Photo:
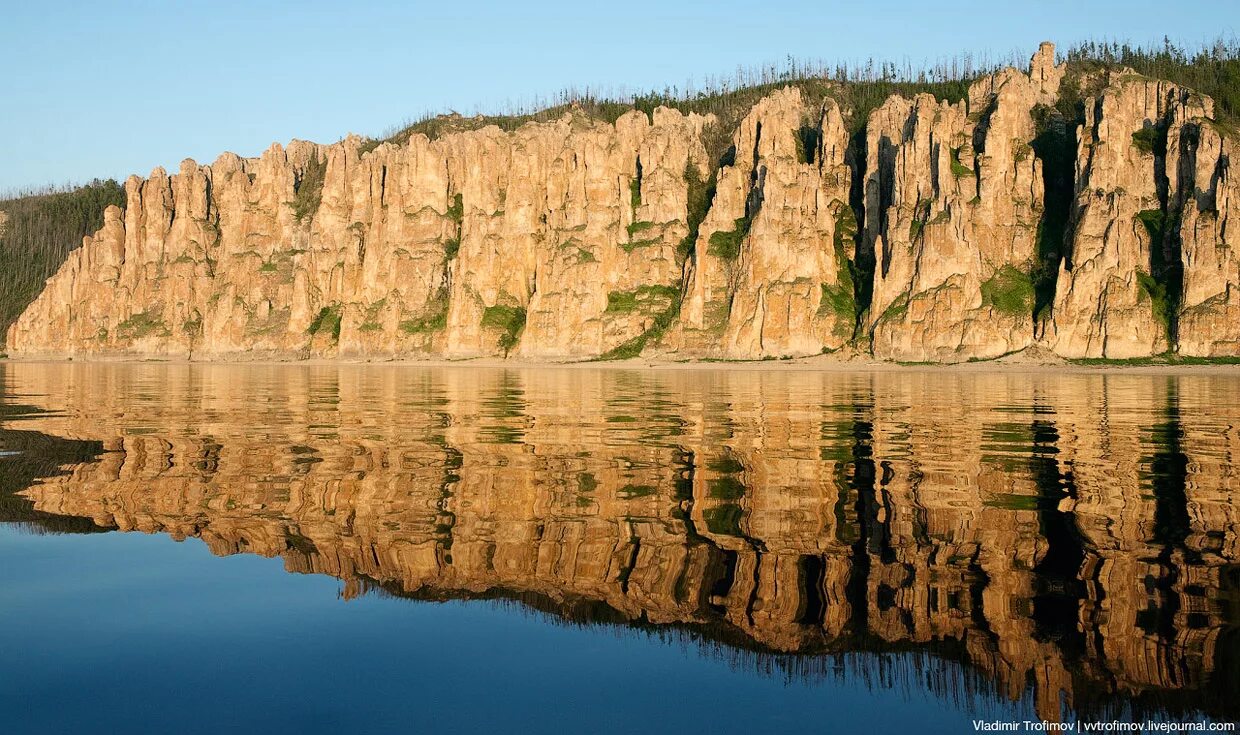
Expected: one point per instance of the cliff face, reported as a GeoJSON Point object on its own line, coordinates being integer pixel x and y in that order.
{"type": "Point", "coordinates": [953, 198]}
{"type": "Point", "coordinates": [1108, 301]}
{"type": "Point", "coordinates": [920, 238]}
{"type": "Point", "coordinates": [770, 275]}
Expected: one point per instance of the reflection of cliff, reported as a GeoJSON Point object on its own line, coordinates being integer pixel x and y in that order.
{"type": "Point", "coordinates": [26, 456]}
{"type": "Point", "coordinates": [1075, 532]}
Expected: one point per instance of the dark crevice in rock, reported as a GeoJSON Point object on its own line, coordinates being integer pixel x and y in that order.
{"type": "Point", "coordinates": [1055, 146]}
{"type": "Point", "coordinates": [863, 246]}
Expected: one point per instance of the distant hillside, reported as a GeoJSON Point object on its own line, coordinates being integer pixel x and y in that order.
{"type": "Point", "coordinates": [38, 230]}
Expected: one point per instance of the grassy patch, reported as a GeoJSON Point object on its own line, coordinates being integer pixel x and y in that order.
{"type": "Point", "coordinates": [1009, 291]}
{"type": "Point", "coordinates": [621, 302]}
{"type": "Point", "coordinates": [837, 299]}
{"type": "Point", "coordinates": [433, 322]}
{"type": "Point", "coordinates": [700, 196]}
{"type": "Point", "coordinates": [327, 321]}
{"type": "Point", "coordinates": [456, 210]}
{"type": "Point", "coordinates": [1164, 283]}
{"type": "Point", "coordinates": [959, 170]}
{"type": "Point", "coordinates": [1166, 358]}
{"type": "Point", "coordinates": [629, 247]}
{"type": "Point", "coordinates": [726, 244]}
{"type": "Point", "coordinates": [634, 229]}
{"type": "Point", "coordinates": [192, 327]}
{"type": "Point", "coordinates": [142, 324]}
{"type": "Point", "coordinates": [1149, 140]}
{"type": "Point", "coordinates": [662, 320]}
{"type": "Point", "coordinates": [624, 302]}
{"type": "Point", "coordinates": [896, 310]}
{"type": "Point", "coordinates": [921, 212]}
{"type": "Point", "coordinates": [456, 213]}
{"type": "Point", "coordinates": [1157, 294]}
{"type": "Point", "coordinates": [637, 227]}
{"type": "Point", "coordinates": [1155, 223]}
{"type": "Point", "coordinates": [841, 298]}
{"type": "Point", "coordinates": [308, 189]}
{"type": "Point", "coordinates": [508, 320]}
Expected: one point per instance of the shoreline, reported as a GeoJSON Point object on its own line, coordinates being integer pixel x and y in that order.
{"type": "Point", "coordinates": [1016, 363]}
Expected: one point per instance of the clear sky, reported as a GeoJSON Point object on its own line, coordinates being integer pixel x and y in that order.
{"type": "Point", "coordinates": [108, 89]}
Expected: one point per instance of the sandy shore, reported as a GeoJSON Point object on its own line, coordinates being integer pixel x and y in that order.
{"type": "Point", "coordinates": [1019, 363]}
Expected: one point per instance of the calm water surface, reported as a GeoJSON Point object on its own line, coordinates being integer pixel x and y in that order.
{"type": "Point", "coordinates": [364, 548]}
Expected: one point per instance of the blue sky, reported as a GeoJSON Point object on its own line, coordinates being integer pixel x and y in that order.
{"type": "Point", "coordinates": [108, 89]}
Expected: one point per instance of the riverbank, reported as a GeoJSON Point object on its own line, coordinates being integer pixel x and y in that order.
{"type": "Point", "coordinates": [831, 363]}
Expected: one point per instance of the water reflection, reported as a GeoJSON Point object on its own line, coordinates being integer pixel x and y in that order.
{"type": "Point", "coordinates": [1070, 538]}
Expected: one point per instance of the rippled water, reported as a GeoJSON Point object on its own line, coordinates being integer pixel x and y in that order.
{"type": "Point", "coordinates": [398, 548]}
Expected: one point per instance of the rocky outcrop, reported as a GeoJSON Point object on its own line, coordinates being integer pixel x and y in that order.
{"type": "Point", "coordinates": [1206, 194]}
{"type": "Point", "coordinates": [1110, 299]}
{"type": "Point", "coordinates": [448, 247]}
{"type": "Point", "coordinates": [953, 198]}
{"type": "Point", "coordinates": [920, 235]}
{"type": "Point", "coordinates": [771, 273]}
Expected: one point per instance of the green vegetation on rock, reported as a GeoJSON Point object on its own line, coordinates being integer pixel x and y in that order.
{"type": "Point", "coordinates": [701, 194]}
{"type": "Point", "coordinates": [308, 189]}
{"type": "Point", "coordinates": [509, 320]}
{"type": "Point", "coordinates": [142, 324]}
{"type": "Point", "coordinates": [637, 227]}
{"type": "Point", "coordinates": [624, 302]}
{"type": "Point", "coordinates": [644, 298]}
{"type": "Point", "coordinates": [635, 188]}
{"type": "Point", "coordinates": [1157, 294]}
{"type": "Point", "coordinates": [959, 170]}
{"type": "Point", "coordinates": [456, 213]}
{"type": "Point", "coordinates": [1163, 283]}
{"type": "Point", "coordinates": [841, 297]}
{"type": "Point", "coordinates": [432, 322]}
{"type": "Point", "coordinates": [1009, 291]}
{"type": "Point", "coordinates": [327, 321]}
{"type": "Point", "coordinates": [726, 244]}
{"type": "Point", "coordinates": [838, 299]}
{"type": "Point", "coordinates": [1146, 140]}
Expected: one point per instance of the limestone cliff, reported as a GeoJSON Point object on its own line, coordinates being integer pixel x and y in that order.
{"type": "Point", "coordinates": [953, 197]}
{"type": "Point", "coordinates": [917, 233]}
{"type": "Point", "coordinates": [1108, 302]}
{"type": "Point", "coordinates": [771, 272]}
